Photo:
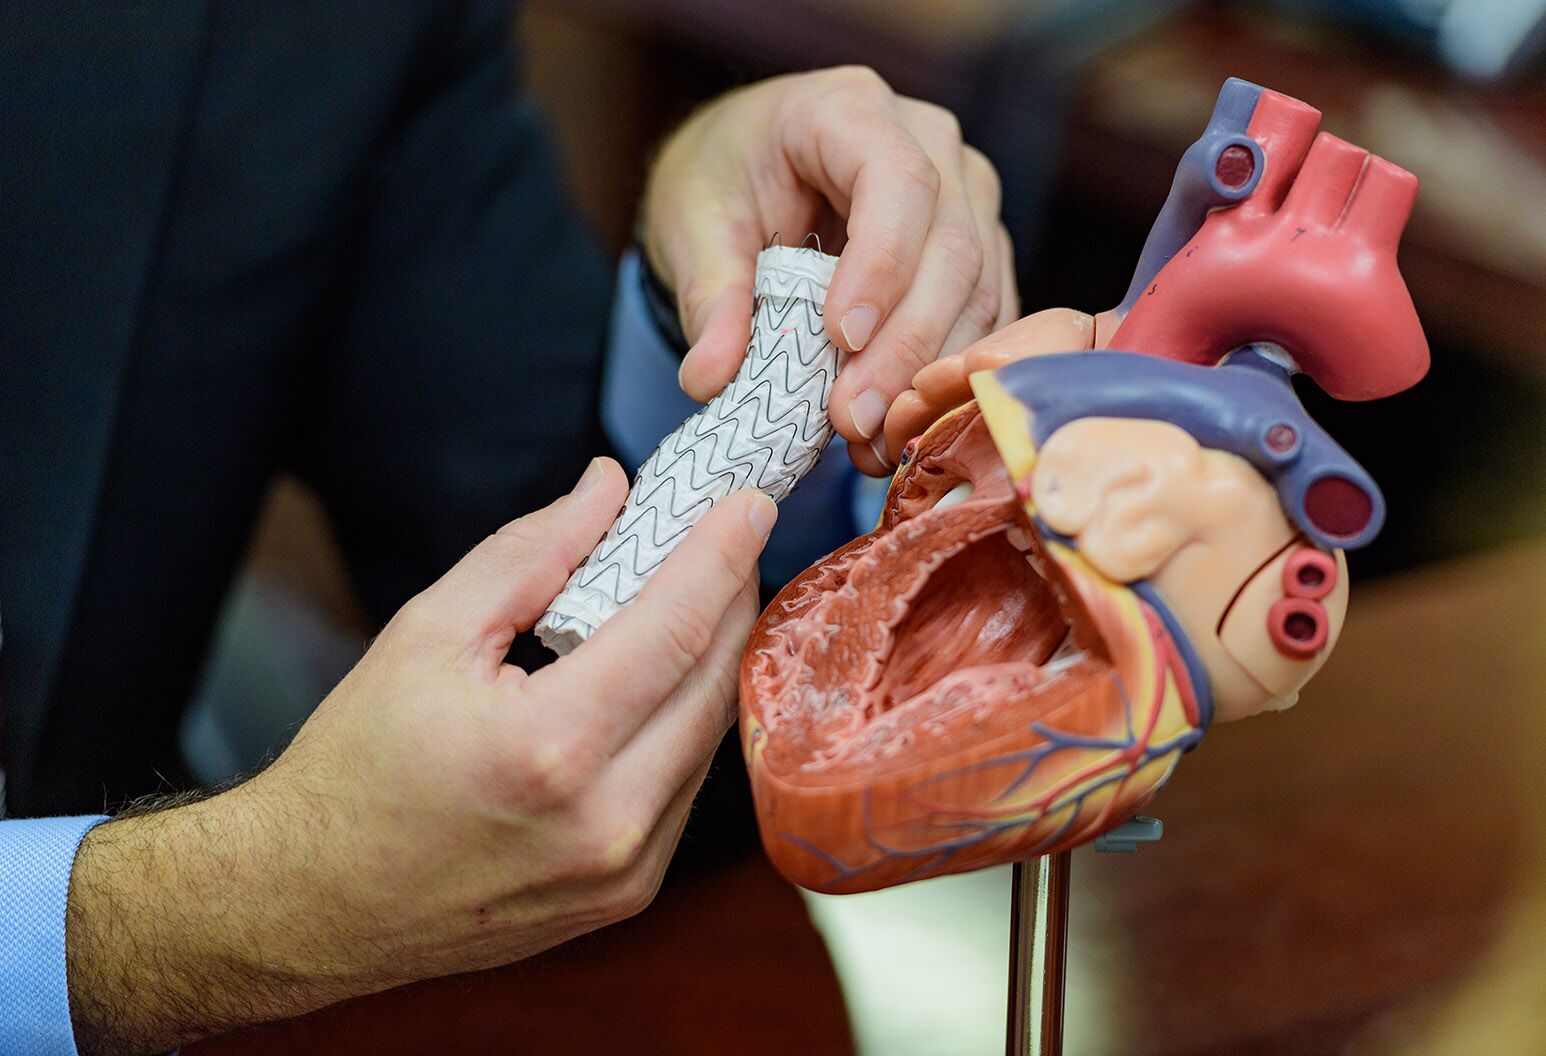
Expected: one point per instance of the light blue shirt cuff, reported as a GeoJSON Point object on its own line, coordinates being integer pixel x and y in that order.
{"type": "Point", "coordinates": [641, 402]}
{"type": "Point", "coordinates": [36, 856]}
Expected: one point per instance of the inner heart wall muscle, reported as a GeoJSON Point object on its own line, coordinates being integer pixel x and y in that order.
{"type": "Point", "coordinates": [901, 721]}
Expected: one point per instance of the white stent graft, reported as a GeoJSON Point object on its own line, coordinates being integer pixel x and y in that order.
{"type": "Point", "coordinates": [765, 430]}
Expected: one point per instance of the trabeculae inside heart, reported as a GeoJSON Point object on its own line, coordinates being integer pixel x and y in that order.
{"type": "Point", "coordinates": [942, 693]}
{"type": "Point", "coordinates": [907, 616]}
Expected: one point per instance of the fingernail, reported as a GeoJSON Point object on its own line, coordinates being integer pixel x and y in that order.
{"type": "Point", "coordinates": [868, 411]}
{"type": "Point", "coordinates": [858, 326]}
{"type": "Point", "coordinates": [878, 445]}
{"type": "Point", "coordinates": [681, 371]}
{"type": "Point", "coordinates": [763, 514]}
{"type": "Point", "coordinates": [590, 478]}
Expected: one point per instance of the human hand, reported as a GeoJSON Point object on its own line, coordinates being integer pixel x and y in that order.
{"type": "Point", "coordinates": [926, 267]}
{"type": "Point", "coordinates": [942, 385]}
{"type": "Point", "coordinates": [442, 811]}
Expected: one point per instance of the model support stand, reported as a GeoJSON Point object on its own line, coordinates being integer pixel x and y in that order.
{"type": "Point", "coordinates": [1038, 939]}
{"type": "Point", "coordinates": [1038, 955]}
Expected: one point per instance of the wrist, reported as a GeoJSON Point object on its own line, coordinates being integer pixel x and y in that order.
{"type": "Point", "coordinates": [191, 920]}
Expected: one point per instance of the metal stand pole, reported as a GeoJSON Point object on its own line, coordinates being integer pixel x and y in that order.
{"type": "Point", "coordinates": [1038, 956]}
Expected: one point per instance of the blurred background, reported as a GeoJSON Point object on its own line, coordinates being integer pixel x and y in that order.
{"type": "Point", "coordinates": [1363, 874]}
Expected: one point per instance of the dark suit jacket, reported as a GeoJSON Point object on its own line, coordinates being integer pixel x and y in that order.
{"type": "Point", "coordinates": [238, 238]}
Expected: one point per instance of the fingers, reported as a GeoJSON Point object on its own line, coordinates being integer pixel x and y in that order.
{"type": "Point", "coordinates": [608, 687]}
{"type": "Point", "coordinates": [943, 384]}
{"type": "Point", "coordinates": [662, 841]}
{"type": "Point", "coordinates": [618, 857]}
{"type": "Point", "coordinates": [716, 305]}
{"type": "Point", "coordinates": [911, 414]}
{"type": "Point", "coordinates": [674, 818]}
{"type": "Point", "coordinates": [678, 739]}
{"type": "Point", "coordinates": [925, 266]}
{"type": "Point", "coordinates": [985, 309]}
{"type": "Point", "coordinates": [1043, 333]}
{"type": "Point", "coordinates": [915, 333]}
{"type": "Point", "coordinates": [503, 585]}
{"type": "Point", "coordinates": [870, 456]}
{"type": "Point", "coordinates": [849, 142]}
{"type": "Point", "coordinates": [700, 241]}
{"type": "Point", "coordinates": [703, 228]}
{"type": "Point", "coordinates": [955, 294]}
{"type": "Point", "coordinates": [637, 804]}
{"type": "Point", "coordinates": [936, 388]}
{"type": "Point", "coordinates": [642, 879]}
{"type": "Point", "coordinates": [1009, 291]}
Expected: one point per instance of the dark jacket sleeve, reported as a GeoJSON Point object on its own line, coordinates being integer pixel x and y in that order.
{"type": "Point", "coordinates": [461, 389]}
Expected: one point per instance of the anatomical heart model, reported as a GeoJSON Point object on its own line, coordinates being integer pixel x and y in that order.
{"type": "Point", "coordinates": [1105, 551]}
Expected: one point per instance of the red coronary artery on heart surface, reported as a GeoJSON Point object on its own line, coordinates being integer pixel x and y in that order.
{"type": "Point", "coordinates": [900, 721]}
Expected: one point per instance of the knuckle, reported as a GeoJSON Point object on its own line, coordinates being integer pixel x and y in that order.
{"type": "Point", "coordinates": [982, 308]}
{"type": "Point", "coordinates": [415, 621]}
{"type": "Point", "coordinates": [633, 893]}
{"type": "Point", "coordinates": [515, 538]}
{"type": "Point", "coordinates": [859, 77]}
{"type": "Point", "coordinates": [918, 169]}
{"type": "Point", "coordinates": [961, 250]}
{"type": "Point", "coordinates": [611, 848]}
{"type": "Point", "coordinates": [982, 177]}
{"type": "Point", "coordinates": [887, 264]}
{"type": "Point", "coordinates": [913, 346]}
{"type": "Point", "coordinates": [549, 774]}
{"type": "Point", "coordinates": [685, 630]}
{"type": "Point", "coordinates": [941, 120]}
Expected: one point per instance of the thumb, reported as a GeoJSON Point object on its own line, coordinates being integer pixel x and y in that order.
{"type": "Point", "coordinates": [714, 270]}
{"type": "Point", "coordinates": [506, 582]}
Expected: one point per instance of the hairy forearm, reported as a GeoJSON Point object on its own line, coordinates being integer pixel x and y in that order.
{"type": "Point", "coordinates": [441, 811]}
{"type": "Point", "coordinates": [187, 921]}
